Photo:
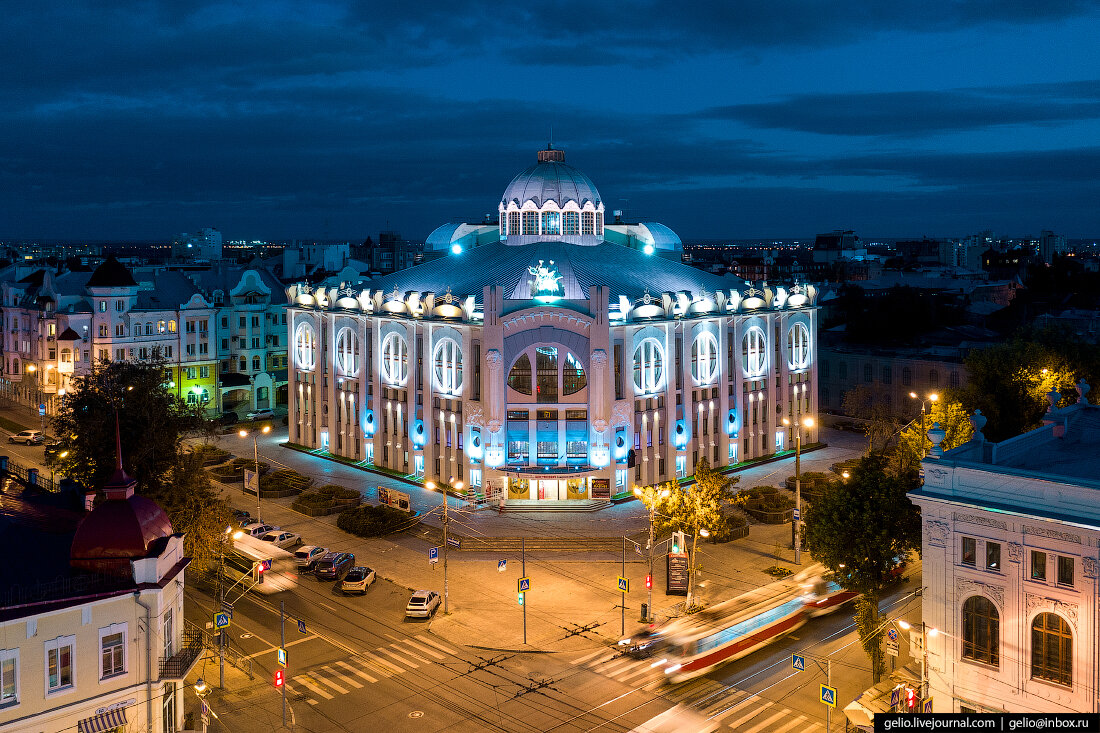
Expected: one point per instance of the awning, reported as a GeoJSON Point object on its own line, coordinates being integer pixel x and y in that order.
{"type": "Point", "coordinates": [103, 721]}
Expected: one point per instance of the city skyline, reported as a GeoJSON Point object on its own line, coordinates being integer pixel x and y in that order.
{"type": "Point", "coordinates": [723, 121]}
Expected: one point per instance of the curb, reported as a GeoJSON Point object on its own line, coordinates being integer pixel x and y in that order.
{"type": "Point", "coordinates": [364, 469]}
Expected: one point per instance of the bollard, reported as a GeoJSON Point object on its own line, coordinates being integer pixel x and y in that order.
{"type": "Point", "coordinates": [3, 463]}
{"type": "Point", "coordinates": [32, 476]}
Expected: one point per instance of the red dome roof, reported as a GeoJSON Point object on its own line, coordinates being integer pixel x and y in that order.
{"type": "Point", "coordinates": [118, 530]}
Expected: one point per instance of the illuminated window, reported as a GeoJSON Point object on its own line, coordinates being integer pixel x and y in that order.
{"type": "Point", "coordinates": [573, 378]}
{"type": "Point", "coordinates": [798, 346]}
{"type": "Point", "coordinates": [305, 347]}
{"type": "Point", "coordinates": [347, 353]}
{"type": "Point", "coordinates": [551, 222]}
{"type": "Point", "coordinates": [395, 360]}
{"type": "Point", "coordinates": [519, 378]}
{"type": "Point", "coordinates": [1051, 649]}
{"type": "Point", "coordinates": [587, 222]}
{"type": "Point", "coordinates": [530, 222]}
{"type": "Point", "coordinates": [649, 369]}
{"type": "Point", "coordinates": [546, 373]}
{"type": "Point", "coordinates": [571, 222]}
{"type": "Point", "coordinates": [447, 366]}
{"type": "Point", "coordinates": [754, 354]}
{"type": "Point", "coordinates": [704, 359]}
{"type": "Point", "coordinates": [513, 222]}
{"type": "Point", "coordinates": [981, 631]}
{"type": "Point", "coordinates": [161, 327]}
{"type": "Point", "coordinates": [599, 223]}
{"type": "Point", "coordinates": [171, 326]}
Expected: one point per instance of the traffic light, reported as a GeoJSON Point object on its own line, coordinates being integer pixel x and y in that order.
{"type": "Point", "coordinates": [258, 573]}
{"type": "Point", "coordinates": [280, 678]}
{"type": "Point", "coordinates": [911, 697]}
{"type": "Point", "coordinates": [521, 599]}
{"type": "Point", "coordinates": [678, 543]}
{"type": "Point", "coordinates": [649, 582]}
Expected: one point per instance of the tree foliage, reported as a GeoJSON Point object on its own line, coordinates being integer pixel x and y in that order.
{"type": "Point", "coordinates": [913, 445]}
{"type": "Point", "coordinates": [194, 508]}
{"type": "Point", "coordinates": [861, 528]}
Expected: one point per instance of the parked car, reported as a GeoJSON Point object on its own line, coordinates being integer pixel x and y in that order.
{"type": "Point", "coordinates": [228, 418]}
{"type": "Point", "coordinates": [54, 451]}
{"type": "Point", "coordinates": [257, 529]}
{"type": "Point", "coordinates": [307, 556]}
{"type": "Point", "coordinates": [27, 437]}
{"type": "Point", "coordinates": [261, 415]}
{"type": "Point", "coordinates": [423, 604]}
{"type": "Point", "coordinates": [333, 565]}
{"type": "Point", "coordinates": [282, 538]}
{"type": "Point", "coordinates": [357, 580]}
{"type": "Point", "coordinates": [239, 515]}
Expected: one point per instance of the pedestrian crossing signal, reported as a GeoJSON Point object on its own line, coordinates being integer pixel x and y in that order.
{"type": "Point", "coordinates": [258, 572]}
{"type": "Point", "coordinates": [280, 678]}
{"type": "Point", "coordinates": [911, 698]}
{"type": "Point", "coordinates": [521, 599]}
{"type": "Point", "coordinates": [649, 582]}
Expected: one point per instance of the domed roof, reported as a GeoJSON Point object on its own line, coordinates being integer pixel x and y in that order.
{"type": "Point", "coordinates": [119, 530]}
{"type": "Point", "coordinates": [551, 179]}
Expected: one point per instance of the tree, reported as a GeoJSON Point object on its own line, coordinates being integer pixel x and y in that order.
{"type": "Point", "coordinates": [861, 529]}
{"type": "Point", "coordinates": [692, 508]}
{"type": "Point", "coordinates": [194, 508]}
{"type": "Point", "coordinates": [913, 446]}
{"type": "Point", "coordinates": [882, 423]}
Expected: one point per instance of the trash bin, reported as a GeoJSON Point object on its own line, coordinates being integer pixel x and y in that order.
{"type": "Point", "coordinates": [645, 612]}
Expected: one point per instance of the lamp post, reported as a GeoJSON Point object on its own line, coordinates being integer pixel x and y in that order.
{"type": "Point", "coordinates": [256, 458]}
{"type": "Point", "coordinates": [650, 495]}
{"type": "Point", "coordinates": [932, 398]}
{"type": "Point", "coordinates": [37, 392]}
{"type": "Point", "coordinates": [925, 634]}
{"type": "Point", "coordinates": [446, 523]}
{"type": "Point", "coordinates": [796, 538]}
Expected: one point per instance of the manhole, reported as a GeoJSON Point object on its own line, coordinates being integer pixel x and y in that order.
{"type": "Point", "coordinates": [416, 714]}
{"type": "Point", "coordinates": [246, 636]}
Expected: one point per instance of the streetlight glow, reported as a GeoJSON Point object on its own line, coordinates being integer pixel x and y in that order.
{"type": "Point", "coordinates": [704, 532]}
{"type": "Point", "coordinates": [905, 626]}
{"type": "Point", "coordinates": [808, 422]}
{"type": "Point", "coordinates": [242, 433]}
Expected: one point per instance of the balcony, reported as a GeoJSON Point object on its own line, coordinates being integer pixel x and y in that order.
{"type": "Point", "coordinates": [179, 664]}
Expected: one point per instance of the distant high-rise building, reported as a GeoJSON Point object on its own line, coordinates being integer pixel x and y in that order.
{"type": "Point", "coordinates": [205, 245]}
{"type": "Point", "coordinates": [838, 245]}
{"type": "Point", "coordinates": [1051, 244]}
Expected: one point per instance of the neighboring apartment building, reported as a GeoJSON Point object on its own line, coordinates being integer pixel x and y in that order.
{"type": "Point", "coordinates": [55, 326]}
{"type": "Point", "coordinates": [1010, 574]}
{"type": "Point", "coordinates": [92, 633]}
{"type": "Point", "coordinates": [889, 373]}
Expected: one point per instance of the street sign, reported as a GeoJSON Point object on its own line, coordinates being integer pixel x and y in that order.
{"type": "Point", "coordinates": [42, 409]}
{"type": "Point", "coordinates": [895, 696]}
{"type": "Point", "coordinates": [624, 584]}
{"type": "Point", "coordinates": [828, 695]}
{"type": "Point", "coordinates": [301, 626]}
{"type": "Point", "coordinates": [454, 542]}
{"type": "Point", "coordinates": [893, 634]}
{"type": "Point", "coordinates": [891, 648]}
{"type": "Point", "coordinates": [798, 662]}
{"type": "Point", "coordinates": [676, 577]}
{"type": "Point", "coordinates": [927, 706]}
{"type": "Point", "coordinates": [227, 606]}
{"type": "Point", "coordinates": [280, 654]}
{"type": "Point", "coordinates": [524, 585]}
{"type": "Point", "coordinates": [228, 611]}
{"type": "Point", "coordinates": [433, 554]}
{"type": "Point", "coordinates": [221, 620]}
{"type": "Point", "coordinates": [637, 548]}
{"type": "Point", "coordinates": [267, 564]}
{"type": "Point", "coordinates": [502, 565]}
{"type": "Point", "coordinates": [251, 481]}
{"type": "Point", "coordinates": [796, 515]}
{"type": "Point", "coordinates": [205, 715]}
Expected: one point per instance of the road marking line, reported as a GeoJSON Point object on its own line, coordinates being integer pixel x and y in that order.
{"type": "Point", "coordinates": [292, 691]}
{"type": "Point", "coordinates": [322, 603]}
{"type": "Point", "coordinates": [359, 672]}
{"type": "Point", "coordinates": [637, 672]}
{"type": "Point", "coordinates": [607, 667]}
{"type": "Point", "coordinates": [311, 637]}
{"type": "Point", "coordinates": [586, 657]}
{"type": "Point", "coordinates": [716, 707]}
{"type": "Point", "coordinates": [347, 680]}
{"type": "Point", "coordinates": [749, 716]}
{"type": "Point", "coordinates": [424, 649]}
{"type": "Point", "coordinates": [317, 690]}
{"type": "Point", "coordinates": [268, 651]}
{"type": "Point", "coordinates": [765, 724]}
{"type": "Point", "coordinates": [321, 678]}
{"type": "Point", "coordinates": [438, 646]}
{"type": "Point", "coordinates": [411, 654]}
{"type": "Point", "coordinates": [388, 653]}
{"type": "Point", "coordinates": [792, 725]}
{"type": "Point", "coordinates": [387, 665]}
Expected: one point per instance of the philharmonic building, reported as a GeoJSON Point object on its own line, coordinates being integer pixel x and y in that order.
{"type": "Point", "coordinates": [555, 355]}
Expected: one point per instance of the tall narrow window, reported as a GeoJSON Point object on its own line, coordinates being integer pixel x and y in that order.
{"type": "Point", "coordinates": [551, 222]}
{"type": "Point", "coordinates": [513, 222]}
{"type": "Point", "coordinates": [704, 359]}
{"type": "Point", "coordinates": [59, 663]}
{"type": "Point", "coordinates": [1038, 565]}
{"type": "Point", "coordinates": [447, 366]}
{"type": "Point", "coordinates": [9, 677]}
{"type": "Point", "coordinates": [571, 222]}
{"type": "Point", "coordinates": [546, 373]}
{"type": "Point", "coordinates": [588, 219]}
{"type": "Point", "coordinates": [981, 630]}
{"type": "Point", "coordinates": [305, 347]}
{"type": "Point", "coordinates": [395, 360]}
{"type": "Point", "coordinates": [754, 353]}
{"type": "Point", "coordinates": [969, 550]}
{"type": "Point", "coordinates": [572, 377]}
{"type": "Point", "coordinates": [519, 378]}
{"type": "Point", "coordinates": [798, 346]}
{"type": "Point", "coordinates": [649, 366]}
{"type": "Point", "coordinates": [347, 353]}
{"type": "Point", "coordinates": [1051, 649]}
{"type": "Point", "coordinates": [530, 222]}
{"type": "Point", "coordinates": [112, 654]}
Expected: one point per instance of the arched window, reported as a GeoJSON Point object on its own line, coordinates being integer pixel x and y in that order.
{"type": "Point", "coordinates": [519, 378]}
{"type": "Point", "coordinates": [305, 347]}
{"type": "Point", "coordinates": [551, 222]}
{"type": "Point", "coordinates": [395, 360]}
{"type": "Point", "coordinates": [798, 346]}
{"type": "Point", "coordinates": [981, 631]}
{"type": "Point", "coordinates": [447, 366]}
{"type": "Point", "coordinates": [649, 366]}
{"type": "Point", "coordinates": [347, 353]}
{"type": "Point", "coordinates": [704, 359]}
{"type": "Point", "coordinates": [1051, 649]}
{"type": "Point", "coordinates": [573, 379]}
{"type": "Point", "coordinates": [546, 373]}
{"type": "Point", "coordinates": [754, 352]}
{"type": "Point", "coordinates": [934, 378]}
{"type": "Point", "coordinates": [160, 327]}
{"type": "Point", "coordinates": [149, 328]}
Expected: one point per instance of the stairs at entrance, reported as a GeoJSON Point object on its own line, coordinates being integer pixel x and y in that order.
{"type": "Point", "coordinates": [549, 505]}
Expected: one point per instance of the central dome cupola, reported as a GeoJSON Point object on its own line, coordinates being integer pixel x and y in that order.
{"type": "Point", "coordinates": [551, 201]}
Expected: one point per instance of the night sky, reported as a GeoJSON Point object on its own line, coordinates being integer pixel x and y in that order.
{"type": "Point", "coordinates": [135, 120]}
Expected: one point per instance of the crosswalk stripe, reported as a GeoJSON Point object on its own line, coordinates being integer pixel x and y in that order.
{"type": "Point", "coordinates": [424, 649]}
{"type": "Point", "coordinates": [387, 652]}
{"type": "Point", "coordinates": [736, 725]}
{"type": "Point", "coordinates": [411, 654]}
{"type": "Point", "coordinates": [386, 666]}
{"type": "Point", "coordinates": [321, 678]}
{"type": "Point", "coordinates": [793, 724]}
{"type": "Point", "coordinates": [438, 646]}
{"type": "Point", "coordinates": [317, 690]}
{"type": "Point", "coordinates": [688, 689]}
{"type": "Point", "coordinates": [641, 671]}
{"type": "Point", "coordinates": [727, 703]}
{"type": "Point", "coordinates": [765, 724]}
{"type": "Point", "coordinates": [292, 691]}
{"type": "Point", "coordinates": [608, 667]}
{"type": "Point", "coordinates": [347, 680]}
{"type": "Point", "coordinates": [586, 657]}
{"type": "Point", "coordinates": [359, 672]}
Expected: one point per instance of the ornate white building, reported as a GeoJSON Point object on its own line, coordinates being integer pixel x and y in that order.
{"type": "Point", "coordinates": [1010, 541]}
{"type": "Point", "coordinates": [553, 354]}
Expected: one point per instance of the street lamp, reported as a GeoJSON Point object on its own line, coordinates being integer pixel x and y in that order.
{"type": "Point", "coordinates": [796, 539]}
{"type": "Point", "coordinates": [446, 522]}
{"type": "Point", "coordinates": [932, 398]}
{"type": "Point", "coordinates": [256, 458]}
{"type": "Point", "coordinates": [926, 633]}
{"type": "Point", "coordinates": [650, 495]}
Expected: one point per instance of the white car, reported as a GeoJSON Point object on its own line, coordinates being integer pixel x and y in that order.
{"type": "Point", "coordinates": [27, 437]}
{"type": "Point", "coordinates": [423, 604]}
{"type": "Point", "coordinates": [257, 529]}
{"type": "Point", "coordinates": [307, 555]}
{"type": "Point", "coordinates": [282, 538]}
{"type": "Point", "coordinates": [261, 415]}
{"type": "Point", "coordinates": [357, 580]}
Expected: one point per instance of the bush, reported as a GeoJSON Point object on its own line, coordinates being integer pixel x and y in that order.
{"type": "Point", "coordinates": [314, 499]}
{"type": "Point", "coordinates": [210, 454]}
{"type": "Point", "coordinates": [732, 527]}
{"type": "Point", "coordinates": [373, 521]}
{"type": "Point", "coordinates": [249, 464]}
{"type": "Point", "coordinates": [284, 480]}
{"type": "Point", "coordinates": [338, 492]}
